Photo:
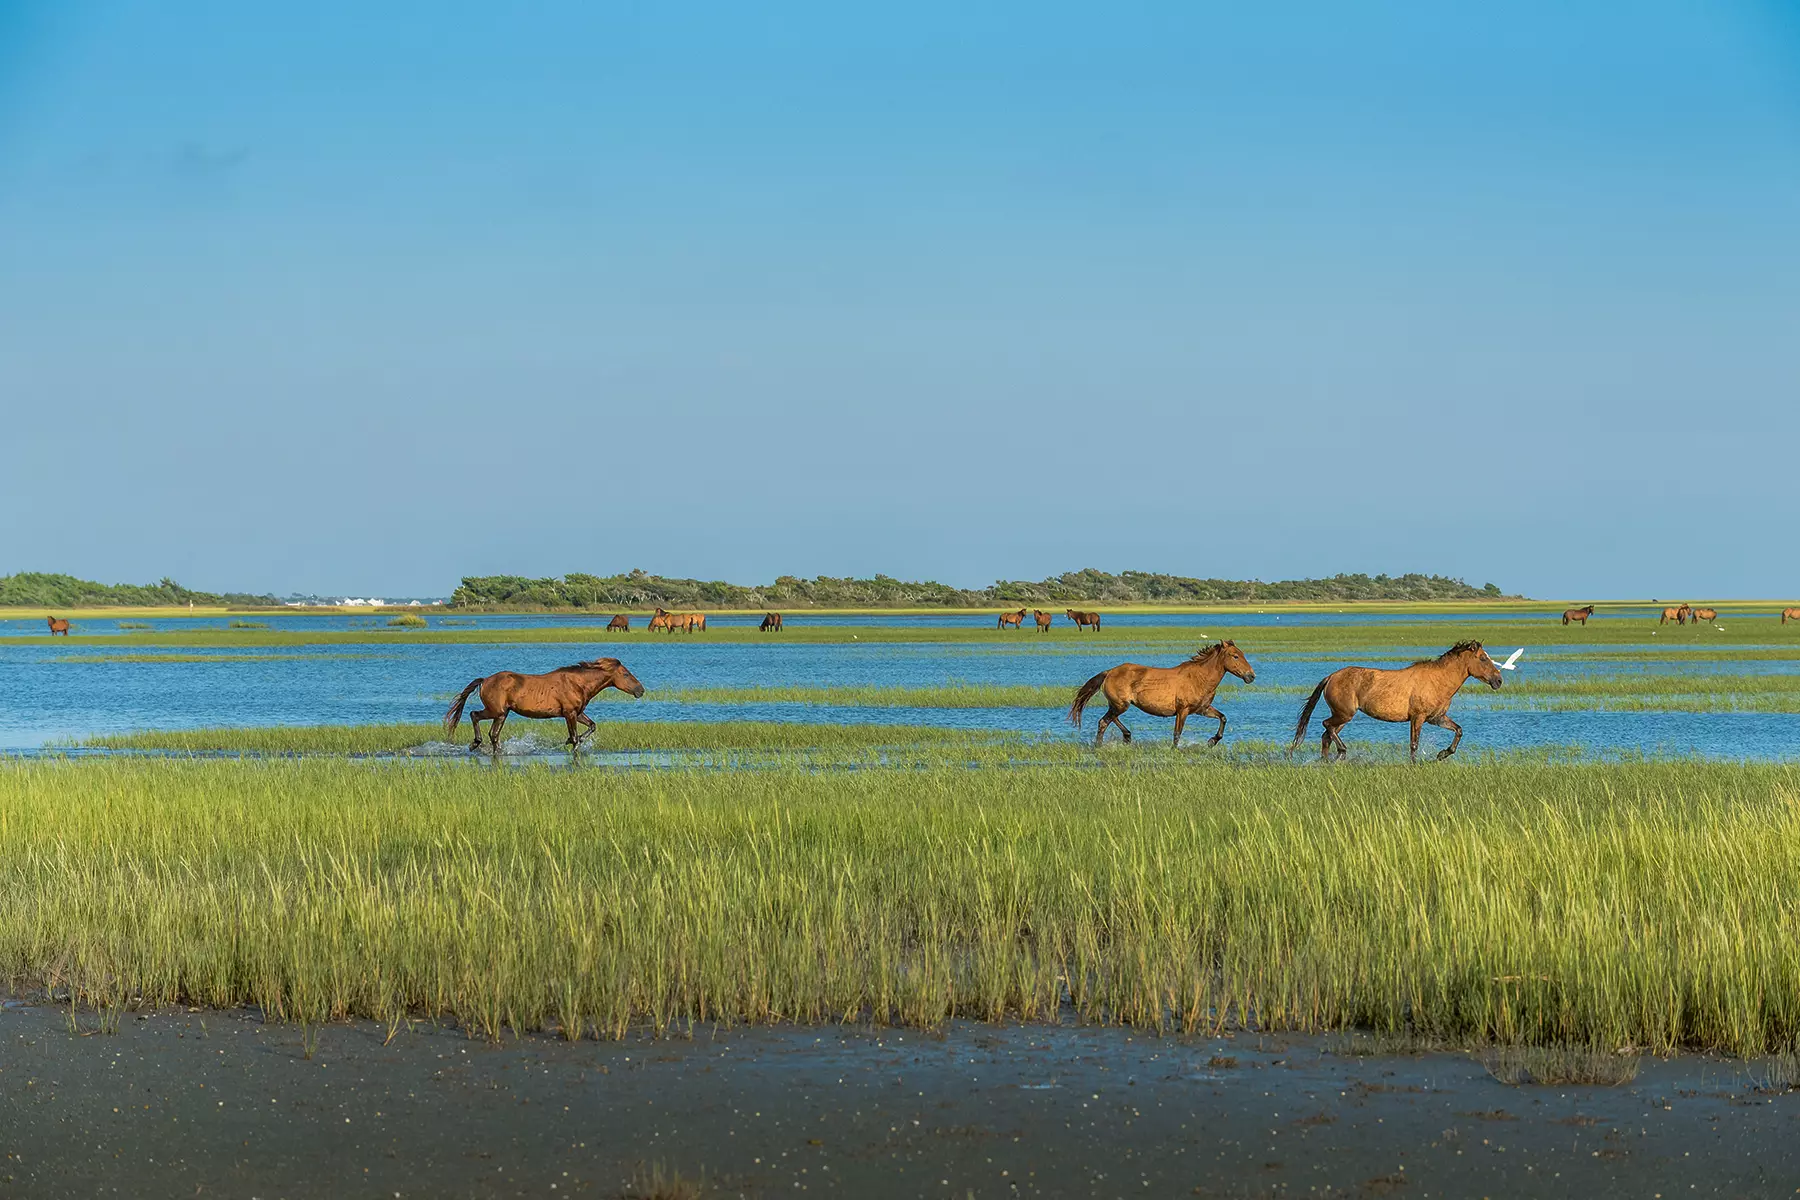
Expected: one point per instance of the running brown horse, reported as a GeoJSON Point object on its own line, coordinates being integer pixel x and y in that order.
{"type": "Point", "coordinates": [1043, 620]}
{"type": "Point", "coordinates": [564, 692]}
{"type": "Point", "coordinates": [58, 625]}
{"type": "Point", "coordinates": [1084, 619]}
{"type": "Point", "coordinates": [1578, 614]}
{"type": "Point", "coordinates": [771, 623]}
{"type": "Point", "coordinates": [1165, 691]}
{"type": "Point", "coordinates": [1013, 619]}
{"type": "Point", "coordinates": [619, 624]}
{"type": "Point", "coordinates": [1790, 614]}
{"type": "Point", "coordinates": [1419, 694]}
{"type": "Point", "coordinates": [1705, 614]}
{"type": "Point", "coordinates": [1678, 614]}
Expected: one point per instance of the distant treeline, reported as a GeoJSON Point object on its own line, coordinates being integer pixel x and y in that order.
{"type": "Point", "coordinates": [33, 590]}
{"type": "Point", "coordinates": [639, 590]}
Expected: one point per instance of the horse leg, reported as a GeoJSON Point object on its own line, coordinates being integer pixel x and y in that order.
{"type": "Point", "coordinates": [475, 720]}
{"type": "Point", "coordinates": [1210, 711]}
{"type": "Point", "coordinates": [1180, 721]}
{"type": "Point", "coordinates": [1416, 722]}
{"type": "Point", "coordinates": [1443, 721]}
{"type": "Point", "coordinates": [591, 727]}
{"type": "Point", "coordinates": [570, 722]}
{"type": "Point", "coordinates": [1333, 723]}
{"type": "Point", "coordinates": [494, 732]}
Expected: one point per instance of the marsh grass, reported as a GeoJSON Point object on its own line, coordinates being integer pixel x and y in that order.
{"type": "Point", "coordinates": [248, 625]}
{"type": "Point", "coordinates": [1647, 905]}
{"type": "Point", "coordinates": [1554, 1066]}
{"type": "Point", "coordinates": [408, 621]}
{"type": "Point", "coordinates": [276, 740]}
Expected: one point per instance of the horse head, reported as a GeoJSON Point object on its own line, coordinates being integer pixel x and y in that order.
{"type": "Point", "coordinates": [618, 675]}
{"type": "Point", "coordinates": [1476, 661]}
{"type": "Point", "coordinates": [1235, 662]}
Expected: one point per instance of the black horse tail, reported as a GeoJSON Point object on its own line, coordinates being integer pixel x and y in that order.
{"type": "Point", "coordinates": [455, 714]}
{"type": "Point", "coordinates": [1083, 695]}
{"type": "Point", "coordinates": [1312, 702]}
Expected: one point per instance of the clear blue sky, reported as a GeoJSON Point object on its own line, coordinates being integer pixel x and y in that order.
{"type": "Point", "coordinates": [364, 297]}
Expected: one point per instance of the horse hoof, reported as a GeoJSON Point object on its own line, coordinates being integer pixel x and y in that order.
{"type": "Point", "coordinates": [1215, 739]}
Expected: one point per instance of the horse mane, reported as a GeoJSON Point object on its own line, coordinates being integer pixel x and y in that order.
{"type": "Point", "coordinates": [1207, 652]}
{"type": "Point", "coordinates": [593, 664]}
{"type": "Point", "coordinates": [1456, 649]}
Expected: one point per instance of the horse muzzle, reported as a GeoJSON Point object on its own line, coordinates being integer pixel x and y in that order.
{"type": "Point", "coordinates": [638, 692]}
{"type": "Point", "coordinates": [1494, 683]}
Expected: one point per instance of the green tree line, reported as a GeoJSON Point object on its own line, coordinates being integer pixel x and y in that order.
{"type": "Point", "coordinates": [36, 590]}
{"type": "Point", "coordinates": [640, 590]}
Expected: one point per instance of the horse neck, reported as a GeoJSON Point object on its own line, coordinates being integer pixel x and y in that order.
{"type": "Point", "coordinates": [1210, 669]}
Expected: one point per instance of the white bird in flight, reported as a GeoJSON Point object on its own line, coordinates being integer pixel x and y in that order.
{"type": "Point", "coordinates": [1508, 665]}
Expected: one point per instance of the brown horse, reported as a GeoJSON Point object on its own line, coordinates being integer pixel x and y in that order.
{"type": "Point", "coordinates": [58, 625]}
{"type": "Point", "coordinates": [1578, 614]}
{"type": "Point", "coordinates": [1165, 691]}
{"type": "Point", "coordinates": [686, 622]}
{"type": "Point", "coordinates": [659, 621]}
{"type": "Point", "coordinates": [1790, 614]}
{"type": "Point", "coordinates": [1013, 619]}
{"type": "Point", "coordinates": [1705, 614]}
{"type": "Point", "coordinates": [1420, 694]}
{"type": "Point", "coordinates": [564, 692]}
{"type": "Point", "coordinates": [1043, 620]}
{"type": "Point", "coordinates": [619, 624]}
{"type": "Point", "coordinates": [1679, 615]}
{"type": "Point", "coordinates": [771, 623]}
{"type": "Point", "coordinates": [1084, 619]}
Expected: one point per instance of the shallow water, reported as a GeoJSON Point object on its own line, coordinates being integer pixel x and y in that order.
{"type": "Point", "coordinates": [50, 699]}
{"type": "Point", "coordinates": [183, 1103]}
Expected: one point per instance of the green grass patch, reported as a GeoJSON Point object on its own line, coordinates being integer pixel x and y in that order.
{"type": "Point", "coordinates": [1596, 905]}
{"type": "Point", "coordinates": [408, 621]}
{"type": "Point", "coordinates": [609, 736]}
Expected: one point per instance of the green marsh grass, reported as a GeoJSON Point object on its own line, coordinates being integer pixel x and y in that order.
{"type": "Point", "coordinates": [608, 736]}
{"type": "Point", "coordinates": [1649, 905]}
{"type": "Point", "coordinates": [408, 621]}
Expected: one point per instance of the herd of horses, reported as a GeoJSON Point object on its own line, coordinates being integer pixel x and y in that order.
{"type": "Point", "coordinates": [1419, 694]}
{"type": "Point", "coordinates": [1681, 614]}
{"type": "Point", "coordinates": [1016, 620]}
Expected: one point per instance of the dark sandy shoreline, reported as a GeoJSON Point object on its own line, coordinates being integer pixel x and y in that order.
{"type": "Point", "coordinates": [219, 1104]}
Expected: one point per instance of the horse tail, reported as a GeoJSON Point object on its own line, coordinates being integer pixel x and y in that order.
{"type": "Point", "coordinates": [1083, 695]}
{"type": "Point", "coordinates": [1306, 713]}
{"type": "Point", "coordinates": [455, 714]}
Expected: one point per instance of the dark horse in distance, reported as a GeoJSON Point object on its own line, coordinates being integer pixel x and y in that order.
{"type": "Point", "coordinates": [1165, 691]}
{"type": "Point", "coordinates": [1578, 614]}
{"type": "Point", "coordinates": [1419, 694]}
{"type": "Point", "coordinates": [771, 623]}
{"type": "Point", "coordinates": [1084, 619]}
{"type": "Point", "coordinates": [564, 692]}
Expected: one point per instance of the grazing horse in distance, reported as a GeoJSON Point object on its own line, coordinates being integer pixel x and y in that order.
{"type": "Point", "coordinates": [619, 624]}
{"type": "Point", "coordinates": [659, 621]}
{"type": "Point", "coordinates": [1084, 619]}
{"type": "Point", "coordinates": [1419, 694]}
{"type": "Point", "coordinates": [1790, 614]}
{"type": "Point", "coordinates": [686, 622]}
{"type": "Point", "coordinates": [1678, 614]}
{"type": "Point", "coordinates": [1014, 619]}
{"type": "Point", "coordinates": [1578, 614]}
{"type": "Point", "coordinates": [771, 623]}
{"type": "Point", "coordinates": [1043, 620]}
{"type": "Point", "coordinates": [58, 625]}
{"type": "Point", "coordinates": [1705, 614]}
{"type": "Point", "coordinates": [564, 692]}
{"type": "Point", "coordinates": [1165, 691]}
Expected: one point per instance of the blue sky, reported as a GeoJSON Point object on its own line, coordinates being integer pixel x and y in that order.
{"type": "Point", "coordinates": [367, 297]}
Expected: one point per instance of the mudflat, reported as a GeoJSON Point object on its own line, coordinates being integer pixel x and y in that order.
{"type": "Point", "coordinates": [180, 1103]}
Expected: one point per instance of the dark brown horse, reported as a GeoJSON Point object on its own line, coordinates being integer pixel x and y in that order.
{"type": "Point", "coordinates": [1043, 620]}
{"type": "Point", "coordinates": [1084, 619]}
{"type": "Point", "coordinates": [1420, 694]}
{"type": "Point", "coordinates": [1678, 614]}
{"type": "Point", "coordinates": [1790, 614]}
{"type": "Point", "coordinates": [1012, 619]}
{"type": "Point", "coordinates": [564, 692]}
{"type": "Point", "coordinates": [1165, 691]}
{"type": "Point", "coordinates": [619, 624]}
{"type": "Point", "coordinates": [58, 625]}
{"type": "Point", "coordinates": [1578, 614]}
{"type": "Point", "coordinates": [771, 623]}
{"type": "Point", "coordinates": [1705, 614]}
